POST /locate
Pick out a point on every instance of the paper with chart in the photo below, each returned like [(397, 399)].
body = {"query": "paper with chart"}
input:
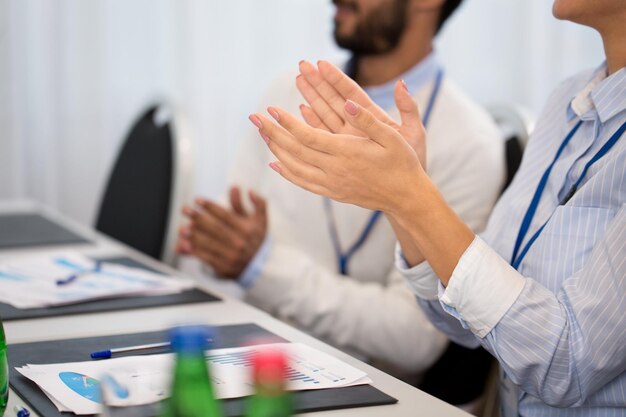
[(146, 379), (42, 281)]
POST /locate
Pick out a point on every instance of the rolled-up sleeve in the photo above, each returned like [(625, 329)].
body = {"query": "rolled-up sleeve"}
[(559, 346), (481, 289), (424, 283)]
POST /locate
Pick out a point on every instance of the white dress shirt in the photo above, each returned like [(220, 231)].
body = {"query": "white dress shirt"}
[(370, 311)]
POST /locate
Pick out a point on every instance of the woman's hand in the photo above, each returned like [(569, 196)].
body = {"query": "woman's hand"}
[(379, 171), (371, 164), (326, 88)]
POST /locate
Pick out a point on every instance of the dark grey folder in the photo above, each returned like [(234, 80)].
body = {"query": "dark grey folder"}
[(23, 230), (8, 312), (75, 350)]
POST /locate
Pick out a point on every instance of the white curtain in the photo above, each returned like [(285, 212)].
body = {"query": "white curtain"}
[(75, 73)]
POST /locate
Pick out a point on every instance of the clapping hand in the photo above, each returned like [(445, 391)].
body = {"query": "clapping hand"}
[(326, 89), (225, 239), (350, 150)]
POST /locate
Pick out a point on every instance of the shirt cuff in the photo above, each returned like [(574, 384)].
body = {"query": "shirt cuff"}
[(482, 288), (421, 278), (255, 266)]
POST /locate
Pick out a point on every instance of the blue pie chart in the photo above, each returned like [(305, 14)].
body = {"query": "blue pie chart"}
[(83, 385)]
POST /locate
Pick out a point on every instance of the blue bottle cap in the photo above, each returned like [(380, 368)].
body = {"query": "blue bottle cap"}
[(190, 338)]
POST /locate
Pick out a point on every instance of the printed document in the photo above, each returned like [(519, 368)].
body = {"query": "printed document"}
[(145, 379), (42, 281)]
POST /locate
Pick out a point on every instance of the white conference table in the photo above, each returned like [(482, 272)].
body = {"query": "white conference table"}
[(411, 401)]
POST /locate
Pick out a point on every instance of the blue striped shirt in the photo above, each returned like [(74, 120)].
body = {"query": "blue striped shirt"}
[(558, 325)]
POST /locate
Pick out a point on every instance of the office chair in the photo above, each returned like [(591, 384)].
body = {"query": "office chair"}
[(516, 125), (147, 185)]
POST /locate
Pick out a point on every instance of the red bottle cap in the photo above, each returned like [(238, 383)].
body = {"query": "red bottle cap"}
[(270, 366)]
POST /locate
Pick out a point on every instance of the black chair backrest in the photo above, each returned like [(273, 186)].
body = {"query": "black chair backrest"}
[(515, 123), (136, 204), (459, 376), (513, 153)]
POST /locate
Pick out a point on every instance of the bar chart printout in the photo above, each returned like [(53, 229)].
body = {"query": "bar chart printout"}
[(147, 378)]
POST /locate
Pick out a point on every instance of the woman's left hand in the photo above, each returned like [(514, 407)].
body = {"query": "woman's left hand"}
[(380, 171), (326, 89)]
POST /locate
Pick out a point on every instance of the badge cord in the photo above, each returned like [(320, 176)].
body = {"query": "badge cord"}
[(343, 258), (517, 256)]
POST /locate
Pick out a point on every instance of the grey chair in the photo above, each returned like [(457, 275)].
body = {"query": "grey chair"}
[(148, 183)]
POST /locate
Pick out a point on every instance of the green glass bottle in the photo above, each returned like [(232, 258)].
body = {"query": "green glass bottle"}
[(192, 392), (270, 398), (4, 372)]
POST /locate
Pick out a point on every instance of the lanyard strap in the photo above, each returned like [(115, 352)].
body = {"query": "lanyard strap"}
[(530, 213), (344, 258), (433, 97)]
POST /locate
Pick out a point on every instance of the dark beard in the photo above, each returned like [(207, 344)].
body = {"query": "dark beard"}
[(377, 33)]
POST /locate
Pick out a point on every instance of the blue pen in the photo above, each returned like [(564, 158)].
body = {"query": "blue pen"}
[(21, 411), (109, 353), (76, 275), (140, 349)]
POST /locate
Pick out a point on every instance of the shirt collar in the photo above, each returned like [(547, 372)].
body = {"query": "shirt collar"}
[(609, 97), (605, 95), (415, 78)]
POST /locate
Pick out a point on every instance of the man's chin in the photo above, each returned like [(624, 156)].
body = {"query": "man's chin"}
[(342, 39)]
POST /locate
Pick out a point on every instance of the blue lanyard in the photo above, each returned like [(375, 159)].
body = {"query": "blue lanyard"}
[(344, 258), (534, 203)]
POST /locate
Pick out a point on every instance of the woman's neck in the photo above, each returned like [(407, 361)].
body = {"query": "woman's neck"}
[(614, 40)]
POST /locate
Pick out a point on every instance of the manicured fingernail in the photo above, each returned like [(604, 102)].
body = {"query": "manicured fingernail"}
[(265, 138), (351, 107), (272, 111), (323, 63), (275, 166), (255, 121), (404, 85)]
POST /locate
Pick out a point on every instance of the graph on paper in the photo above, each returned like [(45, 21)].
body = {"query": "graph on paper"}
[(74, 387), (244, 359)]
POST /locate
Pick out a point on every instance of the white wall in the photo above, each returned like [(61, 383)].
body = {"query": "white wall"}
[(515, 50), (74, 73)]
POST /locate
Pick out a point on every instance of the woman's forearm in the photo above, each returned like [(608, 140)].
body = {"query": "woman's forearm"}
[(426, 226), (412, 254)]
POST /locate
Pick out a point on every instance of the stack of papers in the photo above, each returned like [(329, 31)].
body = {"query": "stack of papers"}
[(75, 387), (72, 278)]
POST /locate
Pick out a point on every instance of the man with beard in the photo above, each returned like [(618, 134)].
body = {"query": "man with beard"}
[(328, 267)]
